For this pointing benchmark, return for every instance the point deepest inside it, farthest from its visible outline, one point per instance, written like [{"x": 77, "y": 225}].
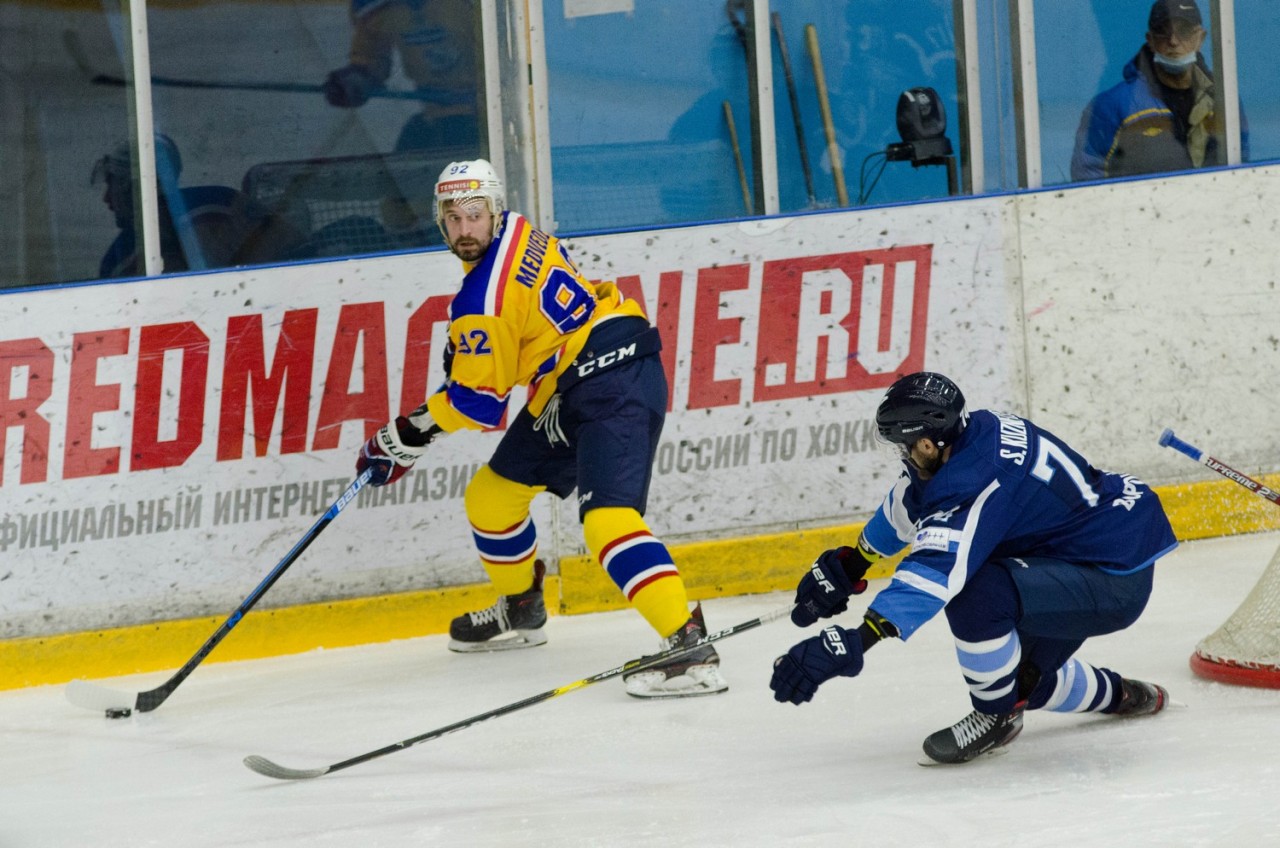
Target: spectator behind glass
[
  {"x": 436, "y": 40},
  {"x": 1161, "y": 117},
  {"x": 200, "y": 227}
]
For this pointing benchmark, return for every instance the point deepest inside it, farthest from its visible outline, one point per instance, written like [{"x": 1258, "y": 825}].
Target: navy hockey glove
[
  {"x": 349, "y": 86},
  {"x": 832, "y": 578},
  {"x": 447, "y": 357},
  {"x": 393, "y": 449},
  {"x": 798, "y": 673}
]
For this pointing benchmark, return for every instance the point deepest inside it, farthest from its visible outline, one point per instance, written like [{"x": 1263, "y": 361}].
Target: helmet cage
[{"x": 465, "y": 182}]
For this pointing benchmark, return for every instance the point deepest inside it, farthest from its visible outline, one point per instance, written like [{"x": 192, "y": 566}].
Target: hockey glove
[
  {"x": 447, "y": 357},
  {"x": 393, "y": 449},
  {"x": 825, "y": 590},
  {"x": 798, "y": 673},
  {"x": 349, "y": 87}
]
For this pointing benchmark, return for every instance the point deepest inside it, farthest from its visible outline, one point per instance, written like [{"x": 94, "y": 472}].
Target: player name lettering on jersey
[
  {"x": 1131, "y": 492},
  {"x": 531, "y": 259},
  {"x": 1013, "y": 438}
]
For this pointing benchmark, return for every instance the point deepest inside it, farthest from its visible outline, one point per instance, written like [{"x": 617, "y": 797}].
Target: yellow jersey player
[{"x": 525, "y": 315}]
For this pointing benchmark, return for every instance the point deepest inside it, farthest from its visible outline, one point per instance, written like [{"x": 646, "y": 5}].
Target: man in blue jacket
[{"x": 1162, "y": 117}]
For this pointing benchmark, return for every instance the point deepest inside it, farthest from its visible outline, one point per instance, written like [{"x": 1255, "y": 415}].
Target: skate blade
[
  {"x": 518, "y": 640},
  {"x": 928, "y": 762},
  {"x": 697, "y": 681}
]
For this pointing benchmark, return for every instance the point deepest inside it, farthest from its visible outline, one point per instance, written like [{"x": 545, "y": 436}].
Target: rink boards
[{"x": 168, "y": 440}]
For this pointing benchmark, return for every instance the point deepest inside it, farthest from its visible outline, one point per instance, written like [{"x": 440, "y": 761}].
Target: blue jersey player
[
  {"x": 525, "y": 315},
  {"x": 1027, "y": 548}
]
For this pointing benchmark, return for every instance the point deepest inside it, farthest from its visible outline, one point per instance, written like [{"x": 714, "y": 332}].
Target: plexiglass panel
[
  {"x": 288, "y": 130},
  {"x": 284, "y": 131},
  {"x": 1125, "y": 90},
  {"x": 641, "y": 97},
  {"x": 317, "y": 131},
  {"x": 639, "y": 133},
  {"x": 1257, "y": 37},
  {"x": 56, "y": 125},
  {"x": 869, "y": 52}
]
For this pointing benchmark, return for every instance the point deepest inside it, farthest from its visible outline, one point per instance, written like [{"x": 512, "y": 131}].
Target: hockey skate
[
  {"x": 514, "y": 621},
  {"x": 684, "y": 676},
  {"x": 971, "y": 737},
  {"x": 1140, "y": 699}
]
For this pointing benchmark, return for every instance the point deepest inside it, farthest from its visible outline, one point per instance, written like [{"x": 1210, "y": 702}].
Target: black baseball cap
[{"x": 1164, "y": 11}]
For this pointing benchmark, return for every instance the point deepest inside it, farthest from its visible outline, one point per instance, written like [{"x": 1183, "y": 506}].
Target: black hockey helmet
[{"x": 923, "y": 405}]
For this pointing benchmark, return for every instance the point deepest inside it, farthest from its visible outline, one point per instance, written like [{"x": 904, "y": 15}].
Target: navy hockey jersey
[{"x": 1009, "y": 489}]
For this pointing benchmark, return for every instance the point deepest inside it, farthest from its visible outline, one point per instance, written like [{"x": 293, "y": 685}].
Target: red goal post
[{"x": 1245, "y": 650}]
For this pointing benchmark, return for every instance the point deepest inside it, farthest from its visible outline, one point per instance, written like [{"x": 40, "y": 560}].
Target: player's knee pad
[
  {"x": 504, "y": 533},
  {"x": 987, "y": 606},
  {"x": 602, "y": 526},
  {"x": 494, "y": 502}
]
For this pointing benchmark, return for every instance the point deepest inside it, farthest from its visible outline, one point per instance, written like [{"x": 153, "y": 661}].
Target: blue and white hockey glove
[
  {"x": 798, "y": 673},
  {"x": 825, "y": 590}
]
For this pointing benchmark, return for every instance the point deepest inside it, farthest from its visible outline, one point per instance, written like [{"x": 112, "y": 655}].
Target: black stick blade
[{"x": 265, "y": 767}]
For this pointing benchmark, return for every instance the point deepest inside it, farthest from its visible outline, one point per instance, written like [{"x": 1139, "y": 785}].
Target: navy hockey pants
[
  {"x": 611, "y": 424},
  {"x": 1053, "y": 605}
]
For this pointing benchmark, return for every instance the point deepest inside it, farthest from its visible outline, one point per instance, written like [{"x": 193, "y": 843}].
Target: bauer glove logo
[
  {"x": 821, "y": 577},
  {"x": 833, "y": 641}
]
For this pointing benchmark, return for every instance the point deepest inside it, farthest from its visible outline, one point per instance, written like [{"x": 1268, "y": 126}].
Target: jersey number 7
[{"x": 1050, "y": 454}]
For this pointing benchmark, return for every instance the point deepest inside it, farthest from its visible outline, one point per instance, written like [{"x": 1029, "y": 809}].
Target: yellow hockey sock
[
  {"x": 504, "y": 533},
  {"x": 639, "y": 564}
]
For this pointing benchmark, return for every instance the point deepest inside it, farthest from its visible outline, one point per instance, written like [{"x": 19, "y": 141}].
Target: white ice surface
[{"x": 597, "y": 768}]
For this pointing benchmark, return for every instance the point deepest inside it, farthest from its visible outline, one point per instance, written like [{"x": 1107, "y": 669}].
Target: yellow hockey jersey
[{"x": 521, "y": 317}]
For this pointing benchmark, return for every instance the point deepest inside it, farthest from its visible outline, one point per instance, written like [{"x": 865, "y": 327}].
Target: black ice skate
[
  {"x": 971, "y": 737},
  {"x": 514, "y": 621},
  {"x": 1140, "y": 699},
  {"x": 683, "y": 676}
]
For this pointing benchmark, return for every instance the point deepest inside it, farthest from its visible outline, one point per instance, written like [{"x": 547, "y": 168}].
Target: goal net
[
  {"x": 1245, "y": 650},
  {"x": 356, "y": 204}
]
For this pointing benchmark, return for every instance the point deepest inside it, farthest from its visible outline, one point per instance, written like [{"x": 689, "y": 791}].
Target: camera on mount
[{"x": 922, "y": 124}]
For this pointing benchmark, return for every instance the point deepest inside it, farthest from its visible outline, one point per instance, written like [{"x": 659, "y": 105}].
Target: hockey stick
[
  {"x": 71, "y": 41},
  {"x": 744, "y": 28},
  {"x": 737, "y": 156},
  {"x": 795, "y": 107},
  {"x": 824, "y": 105},
  {"x": 426, "y": 94},
  {"x": 1169, "y": 440},
  {"x": 119, "y": 704},
  {"x": 268, "y": 768}
]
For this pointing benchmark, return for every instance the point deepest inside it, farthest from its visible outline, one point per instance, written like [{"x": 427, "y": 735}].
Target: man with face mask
[{"x": 1162, "y": 116}]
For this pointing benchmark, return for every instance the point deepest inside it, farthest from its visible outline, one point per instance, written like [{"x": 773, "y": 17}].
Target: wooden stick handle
[
  {"x": 824, "y": 104},
  {"x": 737, "y": 156}
]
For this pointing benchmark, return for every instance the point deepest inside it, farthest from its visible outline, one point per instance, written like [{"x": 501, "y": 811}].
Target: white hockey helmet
[{"x": 470, "y": 180}]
